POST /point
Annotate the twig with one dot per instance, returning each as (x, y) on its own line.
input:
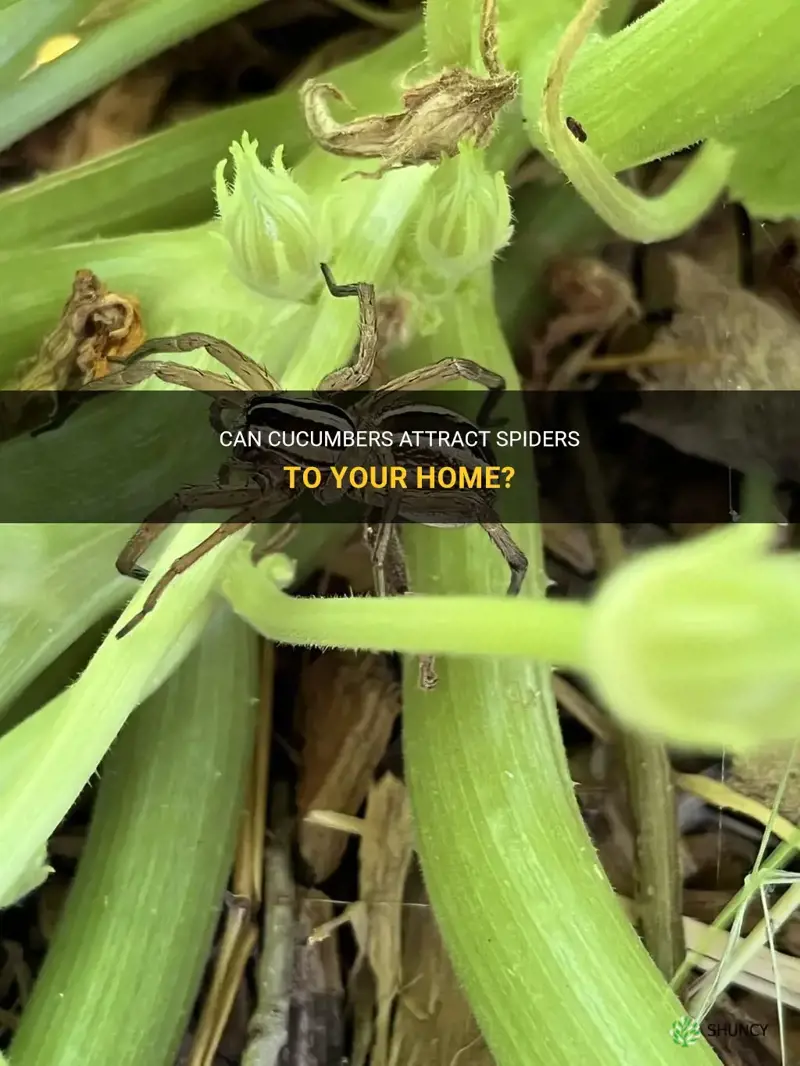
(269, 1026)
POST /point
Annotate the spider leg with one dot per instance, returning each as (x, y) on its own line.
(196, 498)
(448, 370)
(251, 373)
(239, 521)
(391, 579)
(359, 373)
(126, 376)
(277, 542)
(517, 561)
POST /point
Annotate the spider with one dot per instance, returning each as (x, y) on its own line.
(258, 402)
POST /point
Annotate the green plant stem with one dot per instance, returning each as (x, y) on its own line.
(522, 902)
(631, 215)
(780, 858)
(124, 967)
(110, 50)
(655, 87)
(456, 625)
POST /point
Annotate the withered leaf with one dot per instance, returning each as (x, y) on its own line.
(95, 326)
(349, 706)
(433, 1022)
(725, 339)
(595, 297)
(454, 106)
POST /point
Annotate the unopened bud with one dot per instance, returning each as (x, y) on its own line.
(275, 231)
(697, 643)
(465, 219)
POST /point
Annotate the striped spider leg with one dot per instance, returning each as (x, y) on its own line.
(265, 491)
(391, 578)
(257, 501)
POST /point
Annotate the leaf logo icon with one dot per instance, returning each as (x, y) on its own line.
(685, 1032)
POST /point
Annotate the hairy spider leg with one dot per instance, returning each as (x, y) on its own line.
(354, 376)
(195, 498)
(388, 560)
(125, 377)
(516, 560)
(445, 371)
(250, 373)
(243, 518)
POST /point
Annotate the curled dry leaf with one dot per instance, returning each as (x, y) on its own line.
(349, 703)
(433, 1022)
(595, 298)
(724, 339)
(94, 327)
(455, 106)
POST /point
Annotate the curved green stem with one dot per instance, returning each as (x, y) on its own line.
(452, 625)
(635, 217)
(657, 86)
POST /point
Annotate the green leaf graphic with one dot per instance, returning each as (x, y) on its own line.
(685, 1032)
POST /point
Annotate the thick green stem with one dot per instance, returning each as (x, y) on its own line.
(655, 87)
(452, 625)
(125, 964)
(522, 901)
(638, 218)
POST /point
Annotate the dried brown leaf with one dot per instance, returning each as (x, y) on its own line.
(115, 117)
(433, 1022)
(724, 338)
(349, 706)
(437, 115)
(95, 325)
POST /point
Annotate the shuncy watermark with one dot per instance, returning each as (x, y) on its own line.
(687, 1031)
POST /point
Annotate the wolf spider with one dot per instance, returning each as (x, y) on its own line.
(265, 492)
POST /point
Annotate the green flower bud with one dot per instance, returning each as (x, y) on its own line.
(465, 219)
(697, 643)
(276, 233)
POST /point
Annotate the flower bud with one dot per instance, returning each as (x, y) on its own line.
(697, 643)
(465, 219)
(275, 232)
